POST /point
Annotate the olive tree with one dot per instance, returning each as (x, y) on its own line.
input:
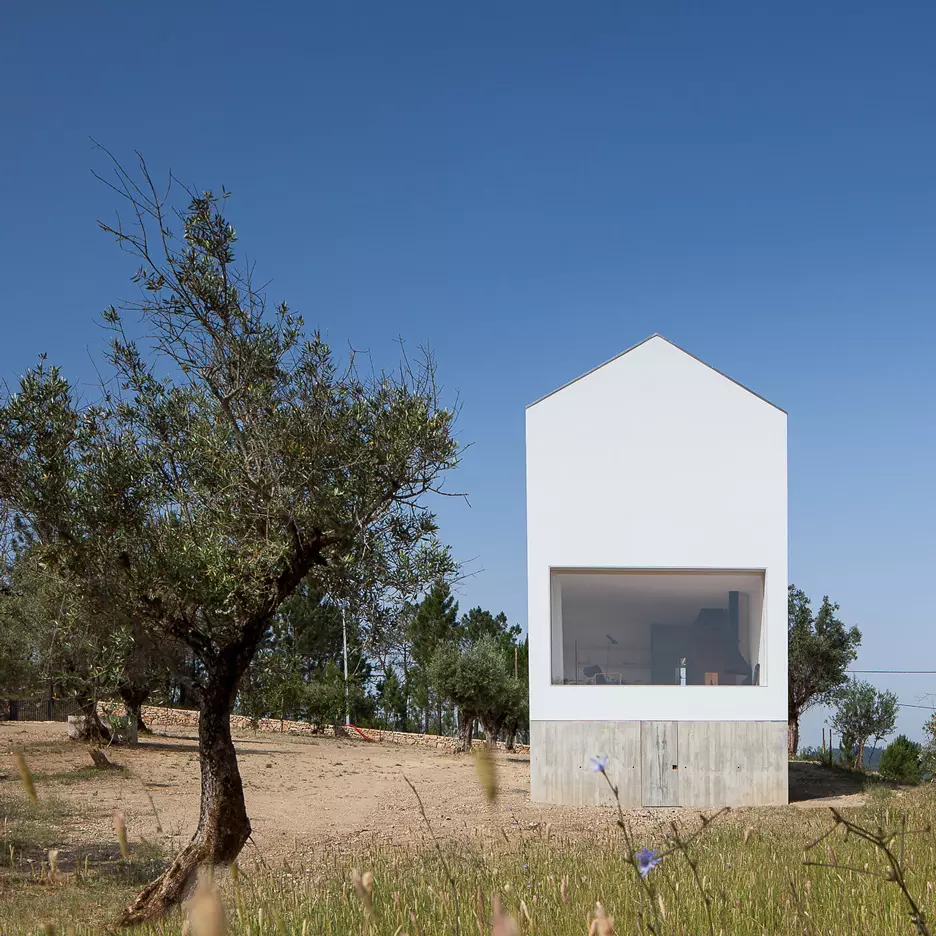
(71, 655)
(229, 457)
(19, 659)
(145, 664)
(475, 678)
(820, 649)
(863, 713)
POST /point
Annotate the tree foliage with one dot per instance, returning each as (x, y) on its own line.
(392, 650)
(928, 754)
(478, 623)
(20, 673)
(434, 625)
(820, 649)
(300, 658)
(392, 702)
(73, 655)
(863, 713)
(57, 648)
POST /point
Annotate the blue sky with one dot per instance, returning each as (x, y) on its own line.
(531, 188)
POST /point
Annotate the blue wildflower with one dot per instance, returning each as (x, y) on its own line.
(646, 861)
(598, 764)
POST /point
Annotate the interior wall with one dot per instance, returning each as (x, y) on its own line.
(586, 644)
(557, 655)
(757, 649)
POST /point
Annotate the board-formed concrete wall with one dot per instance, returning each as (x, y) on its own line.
(694, 764)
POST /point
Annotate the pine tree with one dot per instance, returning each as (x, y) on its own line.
(434, 625)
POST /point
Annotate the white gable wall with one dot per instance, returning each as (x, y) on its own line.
(656, 461)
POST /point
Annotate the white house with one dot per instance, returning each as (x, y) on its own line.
(657, 573)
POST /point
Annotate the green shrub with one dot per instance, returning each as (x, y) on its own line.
(901, 761)
(323, 698)
(823, 755)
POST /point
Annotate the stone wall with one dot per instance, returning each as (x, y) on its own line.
(159, 718)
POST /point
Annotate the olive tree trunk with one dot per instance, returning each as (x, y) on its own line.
(465, 731)
(223, 826)
(512, 737)
(95, 731)
(134, 699)
(792, 735)
(492, 727)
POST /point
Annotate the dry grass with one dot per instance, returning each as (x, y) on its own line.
(748, 879)
(745, 874)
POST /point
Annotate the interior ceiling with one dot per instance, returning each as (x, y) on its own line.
(636, 590)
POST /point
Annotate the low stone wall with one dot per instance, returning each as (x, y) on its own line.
(157, 717)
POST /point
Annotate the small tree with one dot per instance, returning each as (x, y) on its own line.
(478, 624)
(518, 719)
(145, 666)
(511, 712)
(323, 698)
(820, 649)
(901, 761)
(863, 713)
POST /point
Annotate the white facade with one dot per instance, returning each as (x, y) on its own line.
(658, 464)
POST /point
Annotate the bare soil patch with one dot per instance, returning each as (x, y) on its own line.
(304, 793)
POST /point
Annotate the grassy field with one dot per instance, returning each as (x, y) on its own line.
(743, 874)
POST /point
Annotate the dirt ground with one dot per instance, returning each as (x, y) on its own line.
(303, 793)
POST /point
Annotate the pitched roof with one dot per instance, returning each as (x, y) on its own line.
(633, 348)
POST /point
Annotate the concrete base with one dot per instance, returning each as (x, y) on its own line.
(697, 764)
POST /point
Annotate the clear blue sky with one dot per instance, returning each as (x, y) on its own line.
(532, 187)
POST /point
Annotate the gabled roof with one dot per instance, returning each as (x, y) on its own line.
(633, 348)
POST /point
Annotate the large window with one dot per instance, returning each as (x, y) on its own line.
(657, 628)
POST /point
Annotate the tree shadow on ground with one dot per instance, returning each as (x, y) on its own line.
(192, 746)
(154, 736)
(101, 859)
(810, 780)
